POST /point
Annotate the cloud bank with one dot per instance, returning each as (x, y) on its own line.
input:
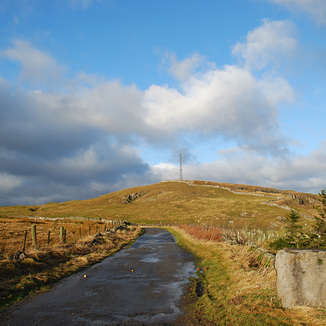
(83, 140)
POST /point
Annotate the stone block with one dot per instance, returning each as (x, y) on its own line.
(301, 277)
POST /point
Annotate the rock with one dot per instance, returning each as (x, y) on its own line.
(301, 277)
(19, 255)
(132, 197)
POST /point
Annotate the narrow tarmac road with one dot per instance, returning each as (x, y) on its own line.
(141, 285)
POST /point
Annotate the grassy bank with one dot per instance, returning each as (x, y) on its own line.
(36, 269)
(233, 288)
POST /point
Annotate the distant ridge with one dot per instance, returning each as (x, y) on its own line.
(185, 202)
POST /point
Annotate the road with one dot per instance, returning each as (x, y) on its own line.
(140, 285)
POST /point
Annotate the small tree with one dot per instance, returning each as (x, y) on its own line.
(294, 237)
(318, 236)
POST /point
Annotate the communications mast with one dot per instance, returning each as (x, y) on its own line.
(180, 170)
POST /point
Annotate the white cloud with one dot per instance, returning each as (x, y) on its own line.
(232, 102)
(276, 90)
(267, 44)
(229, 102)
(184, 69)
(37, 66)
(166, 171)
(315, 8)
(299, 173)
(8, 183)
(109, 106)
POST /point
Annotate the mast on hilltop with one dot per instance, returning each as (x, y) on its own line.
(180, 170)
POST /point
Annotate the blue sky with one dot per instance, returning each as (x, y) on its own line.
(101, 95)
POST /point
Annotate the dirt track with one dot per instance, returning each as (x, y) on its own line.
(141, 285)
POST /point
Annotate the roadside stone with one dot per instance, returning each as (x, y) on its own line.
(301, 277)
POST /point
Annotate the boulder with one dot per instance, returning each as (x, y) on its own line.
(301, 277)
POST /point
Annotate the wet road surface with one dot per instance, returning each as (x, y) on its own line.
(141, 285)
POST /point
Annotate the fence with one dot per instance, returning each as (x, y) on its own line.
(21, 234)
(251, 236)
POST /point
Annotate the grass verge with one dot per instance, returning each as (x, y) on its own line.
(35, 270)
(233, 288)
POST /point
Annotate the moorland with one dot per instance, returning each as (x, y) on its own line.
(224, 225)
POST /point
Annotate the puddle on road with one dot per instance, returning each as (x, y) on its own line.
(150, 260)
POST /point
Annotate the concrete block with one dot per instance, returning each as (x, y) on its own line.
(301, 277)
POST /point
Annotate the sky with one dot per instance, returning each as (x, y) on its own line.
(102, 95)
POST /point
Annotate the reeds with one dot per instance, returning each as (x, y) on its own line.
(203, 233)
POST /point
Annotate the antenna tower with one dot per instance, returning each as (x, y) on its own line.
(180, 171)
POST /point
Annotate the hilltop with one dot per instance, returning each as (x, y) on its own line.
(189, 202)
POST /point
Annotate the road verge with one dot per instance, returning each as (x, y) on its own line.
(234, 288)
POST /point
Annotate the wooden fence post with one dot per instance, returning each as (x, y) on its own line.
(49, 232)
(25, 236)
(80, 233)
(34, 240)
(62, 234)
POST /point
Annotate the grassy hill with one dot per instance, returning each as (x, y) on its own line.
(238, 287)
(179, 202)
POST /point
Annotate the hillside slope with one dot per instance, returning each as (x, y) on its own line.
(178, 202)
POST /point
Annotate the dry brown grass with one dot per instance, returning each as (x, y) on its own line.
(12, 232)
(203, 233)
(40, 267)
(307, 316)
